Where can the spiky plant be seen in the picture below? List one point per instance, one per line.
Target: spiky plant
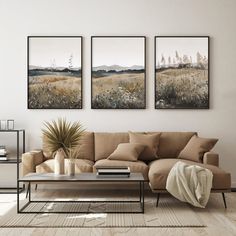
(62, 134)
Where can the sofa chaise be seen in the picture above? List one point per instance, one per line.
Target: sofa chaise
(97, 146)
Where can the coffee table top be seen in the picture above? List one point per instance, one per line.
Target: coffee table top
(82, 177)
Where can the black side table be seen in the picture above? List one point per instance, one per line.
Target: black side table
(20, 134)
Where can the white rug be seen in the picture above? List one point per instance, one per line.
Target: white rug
(169, 213)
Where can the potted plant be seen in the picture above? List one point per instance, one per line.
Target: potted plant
(62, 138)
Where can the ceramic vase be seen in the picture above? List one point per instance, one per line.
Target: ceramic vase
(71, 167)
(59, 168)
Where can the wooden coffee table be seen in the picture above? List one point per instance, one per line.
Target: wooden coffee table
(83, 177)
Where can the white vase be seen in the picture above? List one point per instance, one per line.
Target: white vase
(59, 168)
(71, 167)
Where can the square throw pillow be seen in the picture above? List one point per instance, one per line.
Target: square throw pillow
(127, 152)
(151, 141)
(196, 147)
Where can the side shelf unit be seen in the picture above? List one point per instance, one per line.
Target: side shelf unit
(20, 143)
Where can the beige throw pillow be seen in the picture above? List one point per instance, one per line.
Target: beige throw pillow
(127, 152)
(196, 147)
(151, 141)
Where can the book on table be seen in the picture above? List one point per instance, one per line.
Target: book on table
(113, 171)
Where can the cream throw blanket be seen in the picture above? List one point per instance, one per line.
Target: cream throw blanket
(190, 183)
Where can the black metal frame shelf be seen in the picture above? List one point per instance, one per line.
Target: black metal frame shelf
(16, 160)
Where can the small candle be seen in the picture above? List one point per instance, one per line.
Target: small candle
(3, 124)
(10, 124)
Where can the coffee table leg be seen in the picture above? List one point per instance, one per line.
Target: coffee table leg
(18, 201)
(140, 193)
(29, 191)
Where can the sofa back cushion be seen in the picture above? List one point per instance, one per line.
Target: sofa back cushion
(196, 147)
(171, 143)
(86, 149)
(106, 143)
(151, 142)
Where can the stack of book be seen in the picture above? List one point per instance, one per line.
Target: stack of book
(113, 171)
(3, 153)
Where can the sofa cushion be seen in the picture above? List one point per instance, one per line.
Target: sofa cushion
(196, 147)
(106, 143)
(127, 152)
(85, 150)
(135, 166)
(81, 165)
(171, 143)
(159, 170)
(151, 141)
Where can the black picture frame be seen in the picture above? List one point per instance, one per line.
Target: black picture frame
(65, 101)
(204, 101)
(132, 106)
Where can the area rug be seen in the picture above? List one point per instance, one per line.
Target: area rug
(169, 213)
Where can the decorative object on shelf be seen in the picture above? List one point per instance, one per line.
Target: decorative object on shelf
(182, 72)
(61, 138)
(3, 124)
(10, 124)
(54, 72)
(3, 153)
(118, 72)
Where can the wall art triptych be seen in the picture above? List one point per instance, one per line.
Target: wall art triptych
(54, 72)
(181, 72)
(118, 72)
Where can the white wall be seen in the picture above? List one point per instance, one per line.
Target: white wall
(18, 19)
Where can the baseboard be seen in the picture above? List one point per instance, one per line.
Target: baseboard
(233, 185)
(233, 189)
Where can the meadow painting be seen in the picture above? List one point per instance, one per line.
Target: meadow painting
(54, 72)
(118, 72)
(181, 70)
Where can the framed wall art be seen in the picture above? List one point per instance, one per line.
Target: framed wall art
(182, 72)
(118, 72)
(54, 72)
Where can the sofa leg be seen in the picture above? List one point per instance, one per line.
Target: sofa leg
(223, 195)
(158, 196)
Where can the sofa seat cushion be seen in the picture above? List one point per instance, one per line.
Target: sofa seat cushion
(135, 166)
(159, 170)
(81, 165)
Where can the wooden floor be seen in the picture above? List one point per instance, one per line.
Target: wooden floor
(218, 220)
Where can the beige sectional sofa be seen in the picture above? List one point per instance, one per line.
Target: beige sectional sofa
(97, 147)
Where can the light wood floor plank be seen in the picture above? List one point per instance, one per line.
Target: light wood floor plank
(218, 220)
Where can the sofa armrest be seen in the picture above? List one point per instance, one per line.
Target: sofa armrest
(30, 160)
(211, 158)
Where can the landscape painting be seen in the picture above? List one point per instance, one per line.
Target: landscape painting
(182, 72)
(118, 72)
(54, 72)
